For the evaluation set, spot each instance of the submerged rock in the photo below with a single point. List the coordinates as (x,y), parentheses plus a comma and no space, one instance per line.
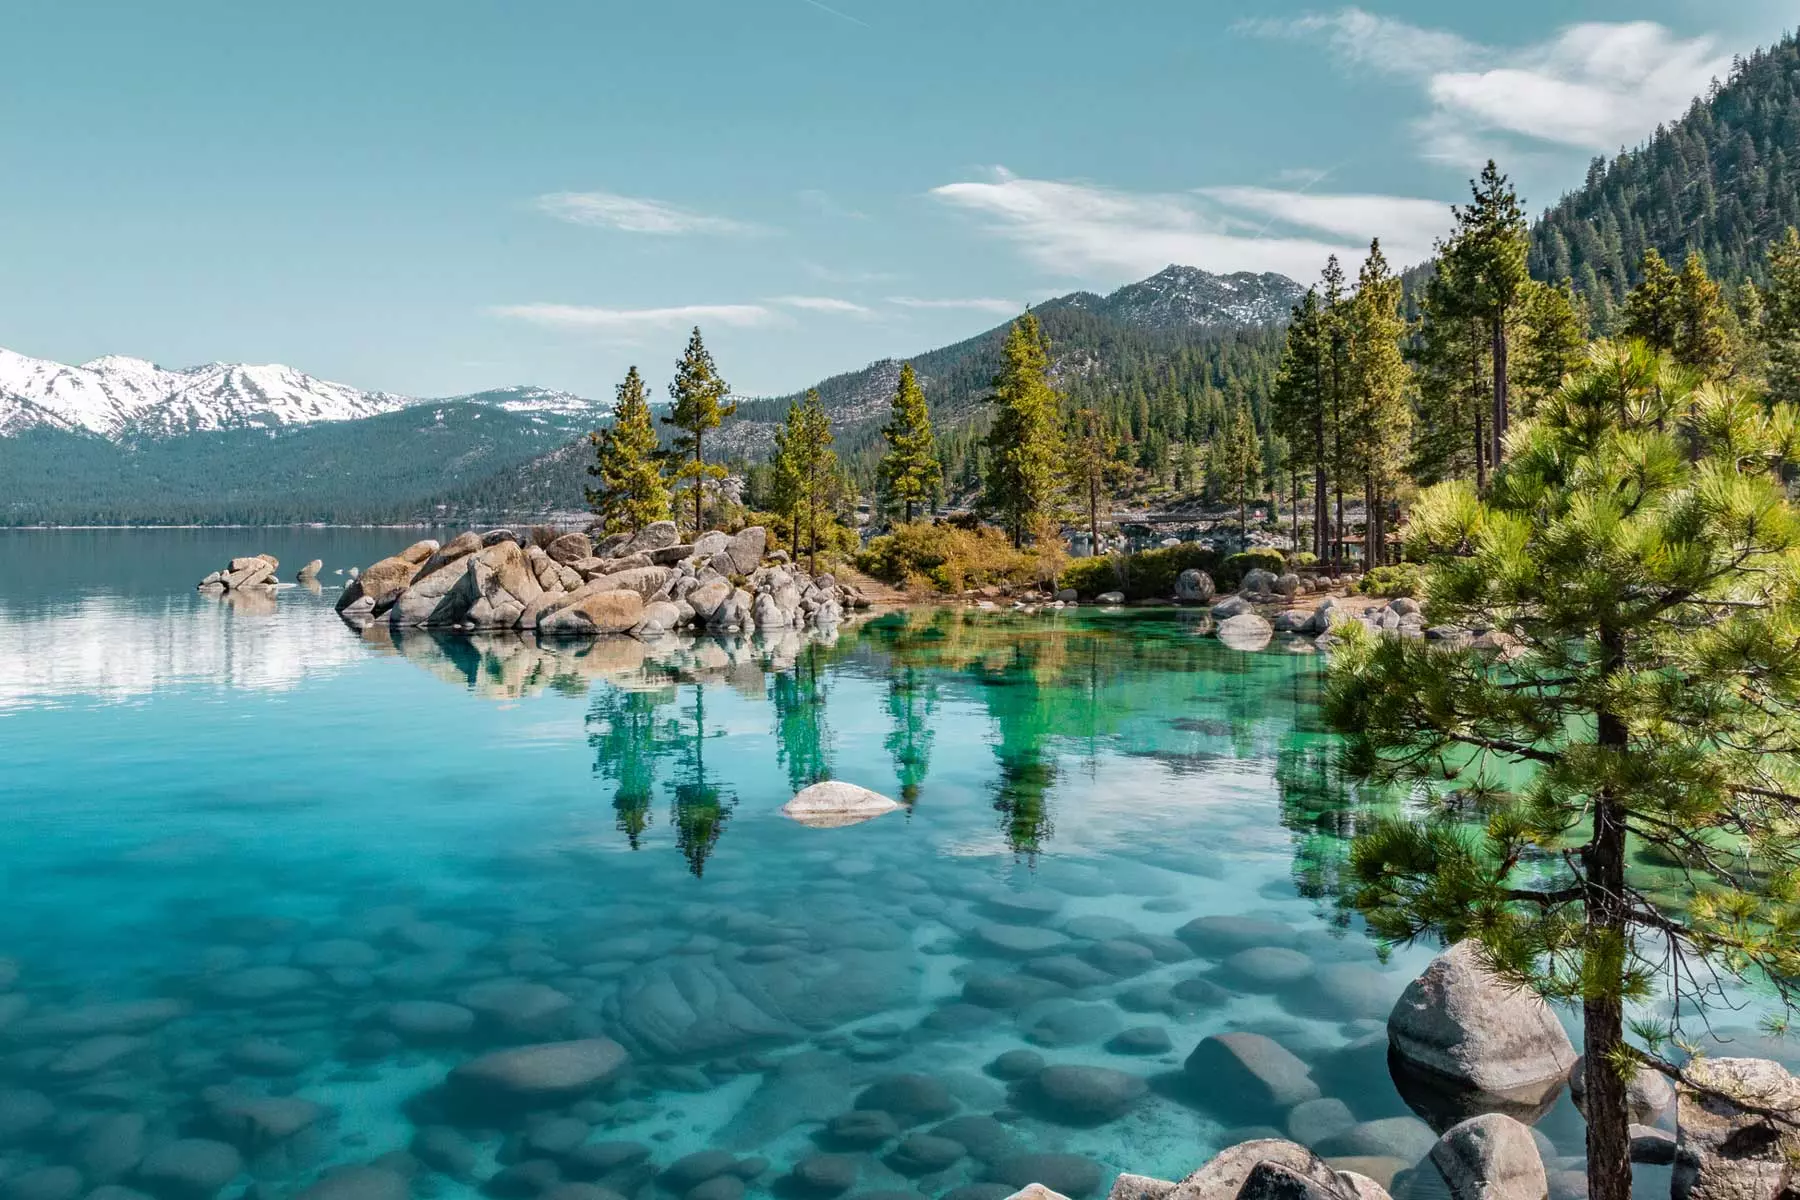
(1235,1071)
(537,1076)
(833,804)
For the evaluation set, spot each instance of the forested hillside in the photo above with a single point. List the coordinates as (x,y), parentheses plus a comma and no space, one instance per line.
(1721,181)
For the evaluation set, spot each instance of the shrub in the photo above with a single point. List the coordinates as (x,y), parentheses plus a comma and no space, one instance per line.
(1147,576)
(1302,560)
(836,540)
(951,558)
(1406,579)
(1240,565)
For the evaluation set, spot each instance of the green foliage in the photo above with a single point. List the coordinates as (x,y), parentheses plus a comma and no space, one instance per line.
(699,394)
(1780,318)
(1683,315)
(1024,445)
(632,493)
(809,484)
(1639,553)
(910,473)
(1394,579)
(1092,466)
(1261,558)
(1150,575)
(947,558)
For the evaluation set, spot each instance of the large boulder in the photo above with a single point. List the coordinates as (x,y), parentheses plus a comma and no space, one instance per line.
(706,599)
(1246,631)
(1724,1152)
(1490,1157)
(1459,1022)
(1194,586)
(746,548)
(496,589)
(1230,607)
(658,535)
(645,581)
(432,597)
(1224,1176)
(833,803)
(1259,583)
(570,548)
(460,546)
(613,611)
(1248,1073)
(539,1076)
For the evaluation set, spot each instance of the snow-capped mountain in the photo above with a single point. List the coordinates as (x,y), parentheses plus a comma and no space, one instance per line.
(124,399)
(1180,297)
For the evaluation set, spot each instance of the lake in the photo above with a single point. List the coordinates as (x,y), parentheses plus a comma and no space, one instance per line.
(269,881)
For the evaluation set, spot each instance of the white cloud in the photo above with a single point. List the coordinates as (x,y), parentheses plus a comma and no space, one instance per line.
(634,320)
(989,304)
(630,214)
(844,275)
(1089,231)
(825,304)
(1594,86)
(827,205)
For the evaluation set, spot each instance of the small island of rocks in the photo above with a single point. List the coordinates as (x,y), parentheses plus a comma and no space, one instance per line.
(644,584)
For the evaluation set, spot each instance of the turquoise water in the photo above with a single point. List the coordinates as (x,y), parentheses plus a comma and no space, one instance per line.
(250,855)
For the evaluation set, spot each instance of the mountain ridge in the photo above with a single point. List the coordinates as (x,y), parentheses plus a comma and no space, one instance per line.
(127,399)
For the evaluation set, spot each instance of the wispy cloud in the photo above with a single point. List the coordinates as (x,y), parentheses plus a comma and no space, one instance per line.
(847,275)
(827,205)
(989,304)
(824,304)
(635,320)
(1089,231)
(632,214)
(842,16)
(1594,86)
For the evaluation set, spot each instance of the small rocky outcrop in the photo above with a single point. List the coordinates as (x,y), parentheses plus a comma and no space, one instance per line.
(252,573)
(833,804)
(1245,631)
(648,583)
(1724,1149)
(310,571)
(1648,1094)
(1462,1024)
(1490,1157)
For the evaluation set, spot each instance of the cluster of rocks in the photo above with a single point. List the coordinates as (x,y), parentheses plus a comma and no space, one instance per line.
(1483,1059)
(648,583)
(255,572)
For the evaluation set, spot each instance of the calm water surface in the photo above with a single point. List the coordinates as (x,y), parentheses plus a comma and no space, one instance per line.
(249,855)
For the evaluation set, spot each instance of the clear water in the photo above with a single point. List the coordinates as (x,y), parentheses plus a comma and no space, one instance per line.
(283,830)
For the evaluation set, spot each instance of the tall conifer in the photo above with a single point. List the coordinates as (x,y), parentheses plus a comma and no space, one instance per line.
(910,472)
(631,491)
(1024,449)
(700,405)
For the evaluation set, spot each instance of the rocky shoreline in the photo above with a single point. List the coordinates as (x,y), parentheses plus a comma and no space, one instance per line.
(642,584)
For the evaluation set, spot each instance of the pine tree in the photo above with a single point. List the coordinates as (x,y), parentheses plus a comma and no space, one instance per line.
(1235,463)
(1092,466)
(632,492)
(910,473)
(1553,339)
(1490,248)
(699,396)
(1639,557)
(1451,357)
(1024,451)
(808,479)
(1652,310)
(1298,406)
(1334,403)
(1701,318)
(1780,330)
(1380,385)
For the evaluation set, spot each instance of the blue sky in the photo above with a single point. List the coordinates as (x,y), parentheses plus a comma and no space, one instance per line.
(436,196)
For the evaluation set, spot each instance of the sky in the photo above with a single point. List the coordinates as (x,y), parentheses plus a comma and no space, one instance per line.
(434,197)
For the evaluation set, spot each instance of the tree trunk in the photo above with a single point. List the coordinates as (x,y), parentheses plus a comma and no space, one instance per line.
(1480,449)
(1603,1020)
(1294,499)
(699,482)
(1094,514)
(1321,514)
(909,512)
(1500,398)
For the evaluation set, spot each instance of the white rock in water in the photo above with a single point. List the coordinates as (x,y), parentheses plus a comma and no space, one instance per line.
(832,803)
